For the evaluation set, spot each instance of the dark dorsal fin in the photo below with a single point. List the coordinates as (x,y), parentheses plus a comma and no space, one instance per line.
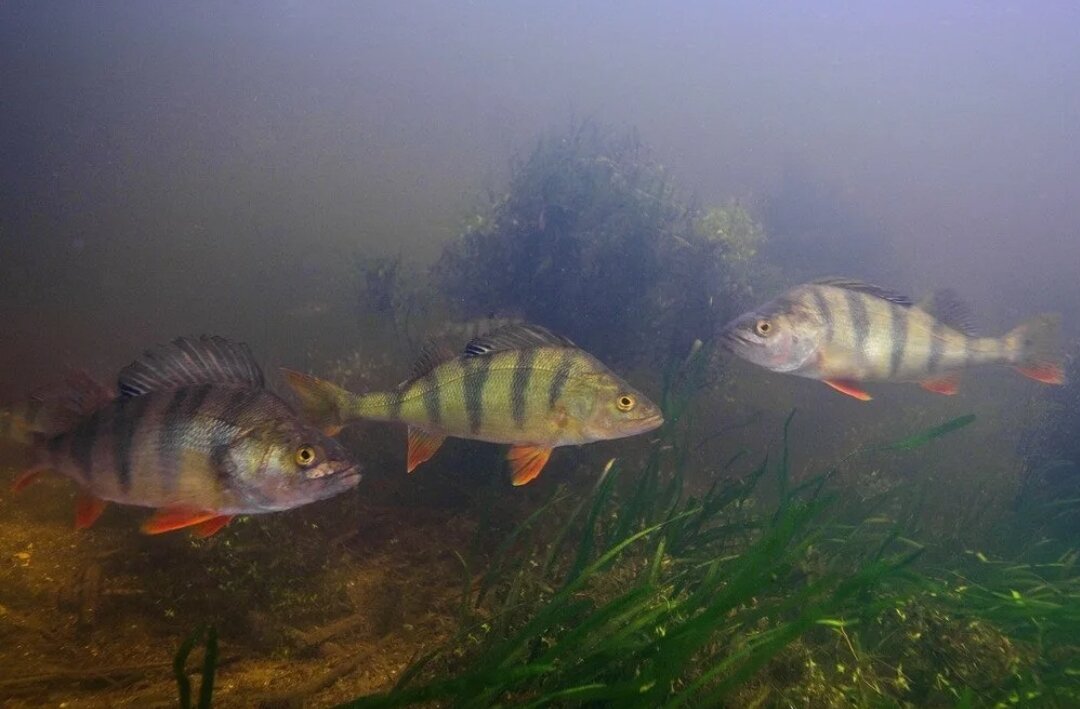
(434,353)
(515,337)
(188,362)
(949,309)
(65,405)
(868,288)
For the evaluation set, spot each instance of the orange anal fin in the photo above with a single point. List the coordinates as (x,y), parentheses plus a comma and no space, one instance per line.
(25,479)
(87,510)
(170,518)
(422,445)
(848,387)
(526,462)
(947,385)
(1050,373)
(210,527)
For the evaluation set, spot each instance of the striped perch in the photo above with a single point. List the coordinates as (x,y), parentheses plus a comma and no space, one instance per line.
(520,384)
(844,332)
(194,433)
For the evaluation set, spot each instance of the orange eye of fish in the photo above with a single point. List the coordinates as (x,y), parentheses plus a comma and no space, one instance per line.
(625,402)
(305,456)
(763,327)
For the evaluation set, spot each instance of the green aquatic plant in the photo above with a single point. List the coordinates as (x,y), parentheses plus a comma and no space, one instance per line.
(209,668)
(648,596)
(592,239)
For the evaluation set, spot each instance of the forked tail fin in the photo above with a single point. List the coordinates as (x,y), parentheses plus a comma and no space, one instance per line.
(1037,343)
(321,402)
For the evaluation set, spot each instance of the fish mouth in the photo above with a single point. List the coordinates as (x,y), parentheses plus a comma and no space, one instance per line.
(652,422)
(351,475)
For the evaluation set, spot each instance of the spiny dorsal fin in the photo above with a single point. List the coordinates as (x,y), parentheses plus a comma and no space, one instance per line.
(515,337)
(64,405)
(434,353)
(188,362)
(949,309)
(868,288)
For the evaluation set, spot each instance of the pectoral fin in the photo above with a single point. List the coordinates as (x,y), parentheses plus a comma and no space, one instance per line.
(87,510)
(845,386)
(168,519)
(526,462)
(422,445)
(947,385)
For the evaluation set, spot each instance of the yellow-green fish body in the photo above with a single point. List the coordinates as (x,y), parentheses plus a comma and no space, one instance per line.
(520,385)
(843,332)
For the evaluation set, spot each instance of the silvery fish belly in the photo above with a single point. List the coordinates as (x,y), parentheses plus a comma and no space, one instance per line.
(193,433)
(520,384)
(844,332)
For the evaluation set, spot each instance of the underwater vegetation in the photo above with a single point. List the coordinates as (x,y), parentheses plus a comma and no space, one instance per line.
(593,240)
(760,592)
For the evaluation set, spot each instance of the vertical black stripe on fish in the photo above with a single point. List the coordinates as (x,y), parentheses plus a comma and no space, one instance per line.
(860,320)
(238,402)
(937,346)
(825,312)
(174,425)
(899,317)
(523,367)
(125,426)
(82,445)
(562,373)
(432,399)
(477,370)
(397,398)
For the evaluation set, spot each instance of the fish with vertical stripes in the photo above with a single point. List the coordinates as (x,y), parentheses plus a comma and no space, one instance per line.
(193,432)
(519,384)
(845,332)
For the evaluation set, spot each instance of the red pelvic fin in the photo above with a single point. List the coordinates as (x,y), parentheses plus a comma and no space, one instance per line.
(1048,373)
(422,445)
(210,527)
(87,510)
(846,386)
(26,478)
(168,519)
(947,385)
(526,462)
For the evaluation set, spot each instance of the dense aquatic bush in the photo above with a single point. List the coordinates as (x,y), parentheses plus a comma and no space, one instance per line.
(592,239)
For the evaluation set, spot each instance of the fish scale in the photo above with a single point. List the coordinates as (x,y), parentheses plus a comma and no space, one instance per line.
(195,435)
(520,385)
(844,332)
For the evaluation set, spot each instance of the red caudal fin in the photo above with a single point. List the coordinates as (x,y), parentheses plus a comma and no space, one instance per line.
(1047,373)
(168,519)
(422,445)
(848,387)
(1036,345)
(526,462)
(947,385)
(87,510)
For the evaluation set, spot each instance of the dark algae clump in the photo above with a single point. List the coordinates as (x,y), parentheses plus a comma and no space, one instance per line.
(593,239)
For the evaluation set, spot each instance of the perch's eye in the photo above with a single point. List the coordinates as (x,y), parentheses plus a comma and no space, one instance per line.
(305,456)
(625,402)
(763,327)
